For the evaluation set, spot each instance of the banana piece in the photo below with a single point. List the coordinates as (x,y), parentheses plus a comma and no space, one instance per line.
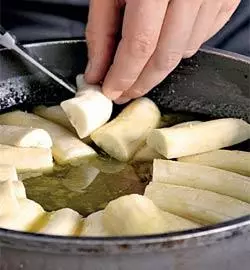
(137,215)
(8,172)
(62,222)
(93,225)
(66,147)
(146,153)
(202,177)
(8,200)
(206,136)
(201,206)
(24,137)
(26,159)
(88,111)
(19,190)
(124,135)
(22,220)
(234,161)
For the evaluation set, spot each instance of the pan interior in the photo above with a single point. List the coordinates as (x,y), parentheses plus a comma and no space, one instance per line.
(109,184)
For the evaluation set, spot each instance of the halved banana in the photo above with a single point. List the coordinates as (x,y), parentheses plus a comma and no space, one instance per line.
(234,161)
(88,111)
(8,199)
(93,225)
(203,137)
(62,222)
(23,219)
(124,135)
(26,159)
(201,206)
(66,147)
(24,137)
(8,172)
(202,177)
(137,215)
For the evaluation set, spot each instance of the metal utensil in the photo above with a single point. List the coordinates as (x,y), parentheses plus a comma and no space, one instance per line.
(9,41)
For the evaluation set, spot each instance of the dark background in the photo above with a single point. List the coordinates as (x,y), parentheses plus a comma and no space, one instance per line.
(33,20)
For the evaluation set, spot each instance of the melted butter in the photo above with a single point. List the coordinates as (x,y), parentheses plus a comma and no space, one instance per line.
(88,187)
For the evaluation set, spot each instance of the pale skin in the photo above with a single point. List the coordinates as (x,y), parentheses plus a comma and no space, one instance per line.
(156,35)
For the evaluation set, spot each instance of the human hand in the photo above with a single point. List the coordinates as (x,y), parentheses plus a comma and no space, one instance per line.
(156,35)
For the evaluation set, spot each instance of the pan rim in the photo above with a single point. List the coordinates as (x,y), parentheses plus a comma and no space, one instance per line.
(217,231)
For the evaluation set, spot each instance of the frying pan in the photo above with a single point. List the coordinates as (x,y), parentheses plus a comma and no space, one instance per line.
(213,84)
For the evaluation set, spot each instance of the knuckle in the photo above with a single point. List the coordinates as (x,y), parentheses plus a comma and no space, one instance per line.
(168,61)
(141,46)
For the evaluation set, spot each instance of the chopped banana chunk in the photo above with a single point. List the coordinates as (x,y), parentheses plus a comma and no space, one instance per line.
(201,206)
(137,215)
(62,222)
(93,225)
(24,218)
(234,161)
(88,111)
(203,177)
(66,147)
(124,135)
(202,137)
(26,159)
(24,136)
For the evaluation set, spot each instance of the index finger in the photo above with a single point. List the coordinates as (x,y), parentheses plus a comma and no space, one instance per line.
(103,22)
(141,29)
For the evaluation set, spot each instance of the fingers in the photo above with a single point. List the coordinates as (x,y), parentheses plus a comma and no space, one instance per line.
(223,17)
(176,30)
(202,26)
(141,29)
(102,25)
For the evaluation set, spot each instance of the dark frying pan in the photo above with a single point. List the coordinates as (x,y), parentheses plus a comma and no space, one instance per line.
(212,84)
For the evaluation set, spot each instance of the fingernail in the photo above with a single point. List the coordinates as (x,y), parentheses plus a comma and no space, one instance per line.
(111,94)
(122,100)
